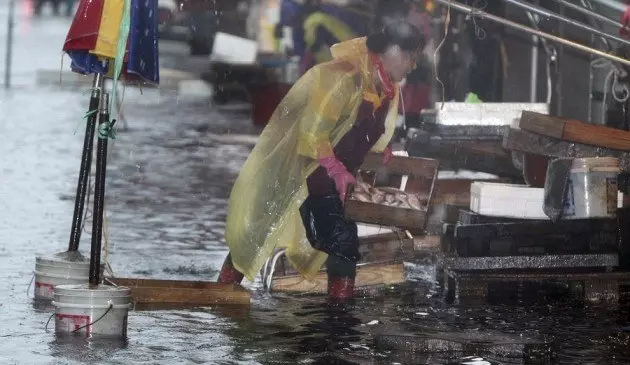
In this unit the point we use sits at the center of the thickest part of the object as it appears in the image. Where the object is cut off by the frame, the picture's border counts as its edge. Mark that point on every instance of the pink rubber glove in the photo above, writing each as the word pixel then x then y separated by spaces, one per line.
pixel 340 175
pixel 387 155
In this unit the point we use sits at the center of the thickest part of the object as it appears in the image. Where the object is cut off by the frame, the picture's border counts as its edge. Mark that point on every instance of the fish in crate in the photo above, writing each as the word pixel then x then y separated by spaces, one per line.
pixel 389 206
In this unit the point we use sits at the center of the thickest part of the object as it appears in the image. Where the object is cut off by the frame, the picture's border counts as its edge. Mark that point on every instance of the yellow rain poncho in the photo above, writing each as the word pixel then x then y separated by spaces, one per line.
pixel 263 209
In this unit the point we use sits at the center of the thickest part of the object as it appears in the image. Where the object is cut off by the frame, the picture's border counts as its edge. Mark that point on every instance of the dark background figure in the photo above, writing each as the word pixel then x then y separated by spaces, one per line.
pixel 319 18
pixel 56 6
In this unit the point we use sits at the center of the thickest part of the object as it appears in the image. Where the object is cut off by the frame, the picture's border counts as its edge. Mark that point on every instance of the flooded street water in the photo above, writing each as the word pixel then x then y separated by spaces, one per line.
pixel 168 181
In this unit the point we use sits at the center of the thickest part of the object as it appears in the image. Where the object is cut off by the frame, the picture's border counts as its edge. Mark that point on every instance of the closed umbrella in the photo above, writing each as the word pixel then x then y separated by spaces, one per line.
pixel 114 39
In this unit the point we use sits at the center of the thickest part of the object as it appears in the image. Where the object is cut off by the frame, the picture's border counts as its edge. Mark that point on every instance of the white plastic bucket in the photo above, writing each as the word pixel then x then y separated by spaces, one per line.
pixel 99 311
pixel 50 272
pixel 229 48
pixel 592 189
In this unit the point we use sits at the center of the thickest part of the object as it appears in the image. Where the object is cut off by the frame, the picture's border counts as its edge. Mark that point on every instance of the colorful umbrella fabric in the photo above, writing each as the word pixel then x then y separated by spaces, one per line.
pixel 115 37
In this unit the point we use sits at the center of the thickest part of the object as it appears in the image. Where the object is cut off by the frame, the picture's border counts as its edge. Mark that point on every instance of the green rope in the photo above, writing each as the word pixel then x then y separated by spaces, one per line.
pixel 106 130
pixel 87 115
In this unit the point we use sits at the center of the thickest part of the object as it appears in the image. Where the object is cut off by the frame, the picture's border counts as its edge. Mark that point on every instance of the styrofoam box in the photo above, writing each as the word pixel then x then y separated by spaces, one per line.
pixel 233 49
pixel 458 113
pixel 507 200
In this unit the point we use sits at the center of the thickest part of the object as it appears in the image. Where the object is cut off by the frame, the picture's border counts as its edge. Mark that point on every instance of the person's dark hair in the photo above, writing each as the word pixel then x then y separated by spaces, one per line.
pixel 402 34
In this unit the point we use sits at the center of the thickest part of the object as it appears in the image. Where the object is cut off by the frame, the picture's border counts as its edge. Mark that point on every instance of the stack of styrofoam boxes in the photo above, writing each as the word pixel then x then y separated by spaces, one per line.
pixel 507 200
pixel 496 114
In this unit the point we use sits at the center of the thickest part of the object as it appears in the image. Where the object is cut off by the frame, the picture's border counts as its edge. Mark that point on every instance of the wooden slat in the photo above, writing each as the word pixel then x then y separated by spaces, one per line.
pixel 542 124
pixel 368 275
pixel 575 131
pixel 523 141
pixel 381 214
pixel 401 165
pixel 145 291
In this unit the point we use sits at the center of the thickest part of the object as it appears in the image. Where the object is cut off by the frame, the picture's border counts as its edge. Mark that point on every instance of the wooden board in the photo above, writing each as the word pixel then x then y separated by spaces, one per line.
pixel 415 167
pixel 384 215
pixel 575 131
pixel 367 276
pixel 186 293
pixel 523 141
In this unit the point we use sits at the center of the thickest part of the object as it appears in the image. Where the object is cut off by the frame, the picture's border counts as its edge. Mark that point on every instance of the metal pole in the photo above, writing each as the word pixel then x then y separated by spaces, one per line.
pixel 99 193
pixel 589 12
pixel 86 164
pixel 534 63
pixel 483 15
pixel 551 14
pixel 612 4
pixel 9 54
pixel 534 70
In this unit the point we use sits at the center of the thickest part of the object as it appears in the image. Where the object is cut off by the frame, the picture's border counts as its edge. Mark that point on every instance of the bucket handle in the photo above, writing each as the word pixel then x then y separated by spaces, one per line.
pixel 85 306
pixel 28 289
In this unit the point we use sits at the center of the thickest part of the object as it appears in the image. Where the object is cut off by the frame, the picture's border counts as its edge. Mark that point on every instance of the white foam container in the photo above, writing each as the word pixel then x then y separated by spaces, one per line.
pixel 232 49
pixel 507 200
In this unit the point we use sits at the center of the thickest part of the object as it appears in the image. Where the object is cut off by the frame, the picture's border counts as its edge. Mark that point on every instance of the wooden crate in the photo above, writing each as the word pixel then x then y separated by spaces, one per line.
pixel 179 293
pixel 595 287
pixel 422 173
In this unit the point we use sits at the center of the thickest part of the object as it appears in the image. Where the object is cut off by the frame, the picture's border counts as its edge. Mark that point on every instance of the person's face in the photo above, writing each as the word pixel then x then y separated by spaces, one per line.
pixel 399 63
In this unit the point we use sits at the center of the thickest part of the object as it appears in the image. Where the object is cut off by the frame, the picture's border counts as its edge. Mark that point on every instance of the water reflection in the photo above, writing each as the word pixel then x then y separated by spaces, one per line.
pixel 86 350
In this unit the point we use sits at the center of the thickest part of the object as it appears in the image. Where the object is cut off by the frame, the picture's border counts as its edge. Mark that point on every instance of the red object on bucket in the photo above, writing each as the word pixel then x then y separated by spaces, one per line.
pixel 265 100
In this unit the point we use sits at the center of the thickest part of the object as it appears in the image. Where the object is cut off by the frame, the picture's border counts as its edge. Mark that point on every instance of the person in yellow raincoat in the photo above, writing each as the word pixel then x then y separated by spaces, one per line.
pixel 290 192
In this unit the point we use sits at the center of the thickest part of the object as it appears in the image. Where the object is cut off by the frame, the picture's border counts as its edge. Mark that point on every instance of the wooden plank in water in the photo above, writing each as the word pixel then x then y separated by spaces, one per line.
pixel 575 131
pixel 172 292
pixel 367 275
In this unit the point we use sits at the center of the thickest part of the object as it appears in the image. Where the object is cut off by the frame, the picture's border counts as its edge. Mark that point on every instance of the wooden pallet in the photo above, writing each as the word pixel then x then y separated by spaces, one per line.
pixel 381 265
pixel 368 277
pixel 589 286
pixel 480 235
pixel 153 293
pixel 392 247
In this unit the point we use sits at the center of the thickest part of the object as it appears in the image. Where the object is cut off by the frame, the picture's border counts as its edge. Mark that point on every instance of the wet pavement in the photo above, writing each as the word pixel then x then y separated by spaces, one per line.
pixel 168 180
